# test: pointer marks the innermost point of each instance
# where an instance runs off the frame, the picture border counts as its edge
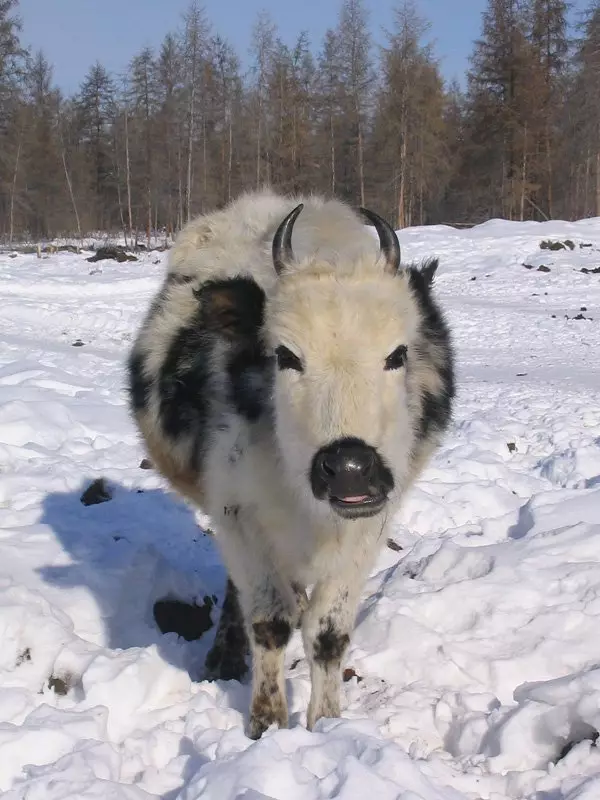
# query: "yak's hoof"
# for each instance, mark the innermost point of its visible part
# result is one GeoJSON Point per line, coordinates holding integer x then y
{"type": "Point", "coordinates": [330, 710]}
{"type": "Point", "coordinates": [261, 720]}
{"type": "Point", "coordinates": [268, 707]}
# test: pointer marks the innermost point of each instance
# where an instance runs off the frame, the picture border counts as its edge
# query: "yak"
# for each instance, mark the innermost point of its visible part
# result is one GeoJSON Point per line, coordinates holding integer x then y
{"type": "Point", "coordinates": [291, 378]}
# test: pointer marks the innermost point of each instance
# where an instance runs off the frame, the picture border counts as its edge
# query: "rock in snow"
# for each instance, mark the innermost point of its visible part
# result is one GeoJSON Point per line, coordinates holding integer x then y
{"type": "Point", "coordinates": [473, 672]}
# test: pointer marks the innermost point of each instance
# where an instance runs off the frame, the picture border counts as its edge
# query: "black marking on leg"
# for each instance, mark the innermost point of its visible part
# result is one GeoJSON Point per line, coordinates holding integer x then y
{"type": "Point", "coordinates": [272, 634]}
{"type": "Point", "coordinates": [330, 644]}
{"type": "Point", "coordinates": [227, 658]}
{"type": "Point", "coordinates": [231, 511]}
{"type": "Point", "coordinates": [268, 707]}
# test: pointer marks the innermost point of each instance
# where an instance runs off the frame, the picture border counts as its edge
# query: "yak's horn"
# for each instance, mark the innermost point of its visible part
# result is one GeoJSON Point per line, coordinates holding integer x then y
{"type": "Point", "coordinates": [282, 241]}
{"type": "Point", "coordinates": [388, 241]}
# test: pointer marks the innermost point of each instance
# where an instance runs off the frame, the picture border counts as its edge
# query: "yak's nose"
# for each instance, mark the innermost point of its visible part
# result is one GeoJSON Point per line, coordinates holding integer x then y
{"type": "Point", "coordinates": [347, 470]}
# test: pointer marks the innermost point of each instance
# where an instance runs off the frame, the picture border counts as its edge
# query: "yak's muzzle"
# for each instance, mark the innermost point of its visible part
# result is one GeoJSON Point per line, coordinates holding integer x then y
{"type": "Point", "coordinates": [352, 476]}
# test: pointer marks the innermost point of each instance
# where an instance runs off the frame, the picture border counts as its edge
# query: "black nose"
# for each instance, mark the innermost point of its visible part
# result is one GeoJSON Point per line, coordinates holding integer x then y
{"type": "Point", "coordinates": [351, 473]}
{"type": "Point", "coordinates": [351, 464]}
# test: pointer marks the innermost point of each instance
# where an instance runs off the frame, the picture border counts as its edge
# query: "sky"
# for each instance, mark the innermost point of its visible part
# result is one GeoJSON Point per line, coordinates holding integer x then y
{"type": "Point", "coordinates": [74, 34]}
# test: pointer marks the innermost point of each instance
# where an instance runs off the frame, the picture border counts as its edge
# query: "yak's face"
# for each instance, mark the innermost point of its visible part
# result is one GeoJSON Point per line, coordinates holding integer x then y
{"type": "Point", "coordinates": [343, 416]}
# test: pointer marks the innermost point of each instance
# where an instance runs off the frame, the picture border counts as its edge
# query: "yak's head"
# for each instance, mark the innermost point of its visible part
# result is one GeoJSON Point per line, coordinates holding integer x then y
{"type": "Point", "coordinates": [343, 337]}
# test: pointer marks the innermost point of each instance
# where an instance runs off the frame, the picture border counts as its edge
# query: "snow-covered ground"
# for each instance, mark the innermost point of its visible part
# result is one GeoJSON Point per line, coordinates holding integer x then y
{"type": "Point", "coordinates": [476, 655]}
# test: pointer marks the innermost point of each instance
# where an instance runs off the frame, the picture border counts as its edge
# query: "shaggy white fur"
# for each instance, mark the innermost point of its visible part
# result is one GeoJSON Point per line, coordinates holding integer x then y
{"type": "Point", "coordinates": [337, 311]}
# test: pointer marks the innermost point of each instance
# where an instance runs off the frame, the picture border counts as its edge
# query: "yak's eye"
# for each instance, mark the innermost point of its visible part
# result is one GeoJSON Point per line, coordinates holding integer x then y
{"type": "Point", "coordinates": [288, 360]}
{"type": "Point", "coordinates": [396, 359]}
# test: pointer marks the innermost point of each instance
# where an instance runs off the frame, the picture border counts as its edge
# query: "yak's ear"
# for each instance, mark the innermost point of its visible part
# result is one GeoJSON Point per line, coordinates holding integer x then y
{"type": "Point", "coordinates": [428, 270]}
{"type": "Point", "coordinates": [232, 308]}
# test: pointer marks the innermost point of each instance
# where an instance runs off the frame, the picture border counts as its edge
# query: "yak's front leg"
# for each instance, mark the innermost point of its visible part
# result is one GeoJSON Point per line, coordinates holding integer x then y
{"type": "Point", "coordinates": [272, 620]}
{"type": "Point", "coordinates": [327, 625]}
{"type": "Point", "coordinates": [326, 629]}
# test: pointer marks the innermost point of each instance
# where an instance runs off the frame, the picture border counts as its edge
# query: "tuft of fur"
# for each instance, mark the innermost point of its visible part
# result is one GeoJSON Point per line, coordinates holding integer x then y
{"type": "Point", "coordinates": [237, 435]}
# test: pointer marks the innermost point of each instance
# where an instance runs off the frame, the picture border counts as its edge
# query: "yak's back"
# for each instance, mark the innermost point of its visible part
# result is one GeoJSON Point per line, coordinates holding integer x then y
{"type": "Point", "coordinates": [237, 239]}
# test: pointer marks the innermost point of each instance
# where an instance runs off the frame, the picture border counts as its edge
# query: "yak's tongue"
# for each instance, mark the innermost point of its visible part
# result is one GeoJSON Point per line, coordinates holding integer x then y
{"type": "Point", "coordinates": [359, 498]}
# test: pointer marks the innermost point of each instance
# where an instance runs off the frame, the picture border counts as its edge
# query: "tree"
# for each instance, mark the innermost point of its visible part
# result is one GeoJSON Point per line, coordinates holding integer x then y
{"type": "Point", "coordinates": [193, 57]}
{"type": "Point", "coordinates": [143, 99]}
{"type": "Point", "coordinates": [41, 150]}
{"type": "Point", "coordinates": [327, 101]}
{"type": "Point", "coordinates": [96, 111]}
{"type": "Point", "coordinates": [263, 44]}
{"type": "Point", "coordinates": [170, 131]}
{"type": "Point", "coordinates": [409, 131]}
{"type": "Point", "coordinates": [357, 78]}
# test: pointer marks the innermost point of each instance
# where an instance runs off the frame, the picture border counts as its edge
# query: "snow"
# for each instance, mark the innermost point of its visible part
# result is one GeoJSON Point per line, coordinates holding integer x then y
{"type": "Point", "coordinates": [476, 663]}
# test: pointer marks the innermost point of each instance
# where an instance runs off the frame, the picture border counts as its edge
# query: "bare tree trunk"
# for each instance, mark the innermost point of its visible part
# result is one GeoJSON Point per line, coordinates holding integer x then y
{"type": "Point", "coordinates": [128, 177]}
{"type": "Point", "coordinates": [188, 188]}
{"type": "Point", "coordinates": [120, 201]}
{"type": "Point", "coordinates": [180, 188]}
{"type": "Point", "coordinates": [549, 172]}
{"type": "Point", "coordinates": [586, 186]}
{"type": "Point", "coordinates": [13, 190]}
{"type": "Point", "coordinates": [258, 144]}
{"type": "Point", "coordinates": [597, 183]}
{"type": "Point", "coordinates": [149, 201]}
{"type": "Point", "coordinates": [71, 195]}
{"type": "Point", "coordinates": [524, 173]}
{"type": "Point", "coordinates": [361, 165]}
{"type": "Point", "coordinates": [402, 187]}
{"type": "Point", "coordinates": [332, 152]}
{"type": "Point", "coordinates": [230, 158]}
{"type": "Point", "coordinates": [204, 164]}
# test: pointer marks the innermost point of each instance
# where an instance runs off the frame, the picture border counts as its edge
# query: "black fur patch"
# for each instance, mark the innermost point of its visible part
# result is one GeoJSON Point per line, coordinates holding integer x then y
{"type": "Point", "coordinates": [436, 408]}
{"type": "Point", "coordinates": [227, 657]}
{"type": "Point", "coordinates": [250, 373]}
{"type": "Point", "coordinates": [272, 634]}
{"type": "Point", "coordinates": [330, 644]}
{"type": "Point", "coordinates": [139, 385]}
{"type": "Point", "coordinates": [234, 309]}
{"type": "Point", "coordinates": [172, 279]}
{"type": "Point", "coordinates": [428, 270]}
{"type": "Point", "coordinates": [185, 382]}
{"type": "Point", "coordinates": [435, 413]}
{"type": "Point", "coordinates": [230, 310]}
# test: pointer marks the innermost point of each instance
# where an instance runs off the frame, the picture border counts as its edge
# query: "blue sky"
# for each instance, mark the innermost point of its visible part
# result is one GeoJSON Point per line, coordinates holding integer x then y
{"type": "Point", "coordinates": [75, 33]}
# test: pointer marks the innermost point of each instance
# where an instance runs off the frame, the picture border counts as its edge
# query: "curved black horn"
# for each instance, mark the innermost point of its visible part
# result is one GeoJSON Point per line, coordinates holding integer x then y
{"type": "Point", "coordinates": [282, 241]}
{"type": "Point", "coordinates": [388, 241]}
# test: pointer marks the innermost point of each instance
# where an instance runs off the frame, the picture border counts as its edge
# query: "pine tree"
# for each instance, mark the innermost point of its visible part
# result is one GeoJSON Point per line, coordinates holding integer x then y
{"type": "Point", "coordinates": [143, 99]}
{"type": "Point", "coordinates": [409, 133]}
{"type": "Point", "coordinates": [327, 105]}
{"type": "Point", "coordinates": [41, 157]}
{"type": "Point", "coordinates": [96, 107]}
{"type": "Point", "coordinates": [357, 79]}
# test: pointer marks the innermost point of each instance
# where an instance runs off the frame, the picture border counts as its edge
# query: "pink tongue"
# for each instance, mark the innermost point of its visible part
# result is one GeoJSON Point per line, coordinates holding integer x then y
{"type": "Point", "coordinates": [355, 499]}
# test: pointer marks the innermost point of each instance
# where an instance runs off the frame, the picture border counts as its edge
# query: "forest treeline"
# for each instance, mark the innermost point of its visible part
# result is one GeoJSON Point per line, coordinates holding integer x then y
{"type": "Point", "coordinates": [186, 128]}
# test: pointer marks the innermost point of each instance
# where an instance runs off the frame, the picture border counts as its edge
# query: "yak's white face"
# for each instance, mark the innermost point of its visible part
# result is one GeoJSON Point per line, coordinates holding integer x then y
{"type": "Point", "coordinates": [343, 419]}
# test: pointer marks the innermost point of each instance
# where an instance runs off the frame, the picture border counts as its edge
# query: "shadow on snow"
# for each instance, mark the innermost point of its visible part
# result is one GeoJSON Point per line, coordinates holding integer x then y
{"type": "Point", "coordinates": [132, 551]}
